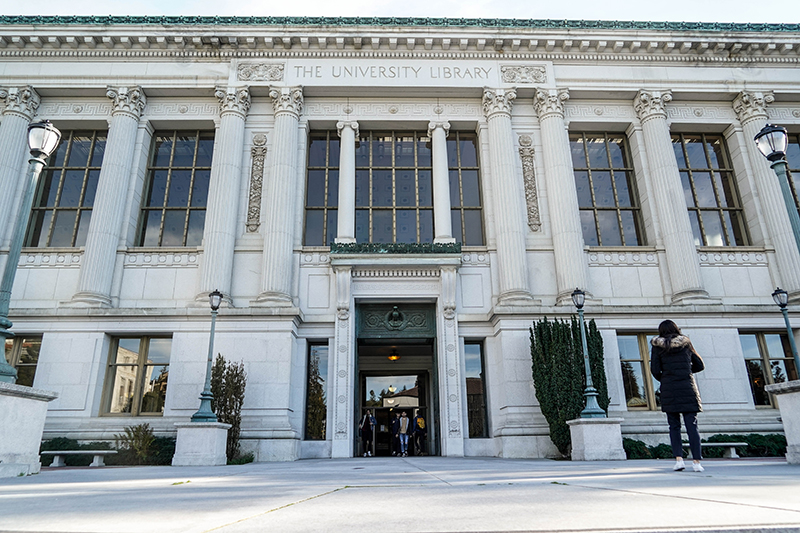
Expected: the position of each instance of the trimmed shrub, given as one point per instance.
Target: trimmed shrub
(228, 382)
(138, 440)
(636, 449)
(242, 459)
(759, 445)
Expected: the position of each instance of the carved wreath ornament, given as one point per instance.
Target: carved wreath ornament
(260, 72)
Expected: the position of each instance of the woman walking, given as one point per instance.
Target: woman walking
(366, 426)
(673, 360)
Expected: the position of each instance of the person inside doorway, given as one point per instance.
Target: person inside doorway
(394, 427)
(367, 427)
(420, 433)
(403, 432)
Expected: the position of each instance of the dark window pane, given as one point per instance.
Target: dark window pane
(158, 188)
(473, 227)
(406, 225)
(362, 225)
(333, 188)
(205, 150)
(598, 157)
(696, 152)
(633, 381)
(452, 153)
(704, 189)
(425, 189)
(588, 228)
(404, 152)
(313, 235)
(755, 372)
(50, 188)
(162, 151)
(154, 389)
(184, 151)
(200, 188)
(91, 188)
(317, 152)
(677, 148)
(793, 153)
(603, 191)
(83, 228)
(382, 152)
(470, 190)
(151, 228)
(735, 226)
(426, 225)
(698, 235)
(624, 194)
(727, 191)
(455, 221)
(332, 226)
(334, 152)
(405, 188)
(362, 187)
(79, 152)
(715, 153)
(455, 196)
(174, 223)
(57, 159)
(578, 151)
(609, 228)
(476, 401)
(583, 189)
(194, 233)
(382, 226)
(39, 229)
(424, 154)
(25, 375)
(315, 193)
(99, 151)
(179, 186)
(362, 153)
(124, 382)
(713, 228)
(629, 229)
(469, 156)
(616, 152)
(687, 189)
(316, 393)
(63, 228)
(71, 190)
(382, 188)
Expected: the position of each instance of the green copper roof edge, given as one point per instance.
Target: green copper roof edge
(402, 21)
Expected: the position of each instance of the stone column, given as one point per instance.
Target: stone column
(97, 266)
(346, 225)
(562, 196)
(451, 415)
(220, 232)
(751, 108)
(340, 398)
(442, 221)
(509, 213)
(676, 231)
(279, 217)
(21, 104)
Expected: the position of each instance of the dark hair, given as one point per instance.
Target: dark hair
(668, 330)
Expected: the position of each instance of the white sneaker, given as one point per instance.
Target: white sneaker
(697, 467)
(369, 454)
(679, 465)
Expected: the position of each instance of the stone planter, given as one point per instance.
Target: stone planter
(201, 444)
(789, 403)
(22, 414)
(596, 439)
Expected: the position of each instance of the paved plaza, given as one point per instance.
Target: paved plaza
(410, 494)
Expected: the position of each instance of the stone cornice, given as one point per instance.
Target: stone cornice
(550, 102)
(649, 104)
(498, 101)
(23, 101)
(233, 100)
(287, 100)
(127, 100)
(750, 105)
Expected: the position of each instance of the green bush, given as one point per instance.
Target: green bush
(64, 443)
(636, 449)
(759, 445)
(242, 459)
(228, 382)
(661, 451)
(138, 440)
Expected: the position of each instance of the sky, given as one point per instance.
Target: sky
(674, 10)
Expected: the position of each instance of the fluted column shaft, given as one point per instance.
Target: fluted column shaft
(442, 220)
(509, 213)
(676, 231)
(21, 104)
(562, 196)
(220, 232)
(102, 239)
(279, 218)
(751, 108)
(346, 221)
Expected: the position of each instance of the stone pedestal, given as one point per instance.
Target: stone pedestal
(201, 444)
(789, 403)
(596, 439)
(22, 414)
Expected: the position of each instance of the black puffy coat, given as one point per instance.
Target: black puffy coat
(673, 360)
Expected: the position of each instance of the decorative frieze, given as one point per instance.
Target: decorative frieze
(649, 104)
(160, 259)
(623, 258)
(529, 176)
(783, 114)
(396, 248)
(182, 109)
(405, 273)
(678, 112)
(550, 101)
(728, 258)
(23, 101)
(260, 72)
(322, 107)
(287, 100)
(50, 259)
(128, 100)
(258, 154)
(475, 258)
(498, 101)
(69, 109)
(750, 105)
(233, 100)
(598, 111)
(523, 74)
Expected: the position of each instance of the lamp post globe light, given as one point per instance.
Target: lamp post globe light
(781, 298)
(205, 414)
(43, 138)
(592, 409)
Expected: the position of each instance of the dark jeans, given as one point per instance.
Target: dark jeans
(690, 419)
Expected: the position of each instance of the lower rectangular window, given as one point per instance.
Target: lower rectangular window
(768, 358)
(136, 380)
(317, 392)
(23, 354)
(476, 389)
(642, 391)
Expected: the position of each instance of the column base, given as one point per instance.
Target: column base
(344, 240)
(517, 298)
(693, 297)
(273, 299)
(88, 299)
(444, 240)
(201, 444)
(596, 439)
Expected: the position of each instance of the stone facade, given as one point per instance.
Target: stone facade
(264, 87)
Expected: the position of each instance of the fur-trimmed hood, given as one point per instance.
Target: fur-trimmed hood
(680, 341)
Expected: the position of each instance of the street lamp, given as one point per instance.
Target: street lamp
(781, 298)
(43, 138)
(205, 414)
(772, 142)
(592, 409)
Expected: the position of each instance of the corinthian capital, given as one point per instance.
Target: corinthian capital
(498, 101)
(287, 100)
(347, 124)
(751, 105)
(20, 100)
(233, 100)
(550, 102)
(438, 124)
(127, 100)
(649, 104)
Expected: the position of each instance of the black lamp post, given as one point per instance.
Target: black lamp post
(592, 409)
(781, 298)
(43, 138)
(205, 414)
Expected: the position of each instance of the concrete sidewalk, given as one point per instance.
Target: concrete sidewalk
(412, 494)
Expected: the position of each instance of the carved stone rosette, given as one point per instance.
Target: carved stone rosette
(752, 105)
(650, 104)
(550, 101)
(127, 100)
(20, 100)
(287, 100)
(531, 196)
(259, 72)
(233, 100)
(258, 153)
(498, 101)
(451, 359)
(342, 383)
(345, 124)
(523, 74)
(438, 124)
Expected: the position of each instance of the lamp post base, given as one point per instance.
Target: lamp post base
(592, 409)
(205, 414)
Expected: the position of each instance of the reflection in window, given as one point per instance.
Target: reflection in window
(22, 352)
(317, 392)
(138, 370)
(793, 160)
(174, 202)
(768, 359)
(392, 391)
(642, 391)
(604, 179)
(322, 189)
(62, 207)
(394, 198)
(465, 188)
(709, 189)
(476, 389)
